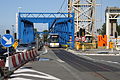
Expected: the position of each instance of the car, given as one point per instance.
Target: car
(32, 45)
(118, 46)
(23, 48)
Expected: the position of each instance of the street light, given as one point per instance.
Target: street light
(13, 29)
(19, 9)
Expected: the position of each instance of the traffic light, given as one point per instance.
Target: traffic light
(15, 35)
(116, 34)
(7, 32)
(77, 34)
(82, 32)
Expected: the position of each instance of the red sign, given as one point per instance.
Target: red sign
(76, 39)
(83, 38)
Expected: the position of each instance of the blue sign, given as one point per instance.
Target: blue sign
(7, 40)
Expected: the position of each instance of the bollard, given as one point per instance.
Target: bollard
(83, 47)
(111, 49)
(77, 45)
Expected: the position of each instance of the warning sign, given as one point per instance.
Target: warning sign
(15, 44)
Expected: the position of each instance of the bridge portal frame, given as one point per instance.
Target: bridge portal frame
(57, 22)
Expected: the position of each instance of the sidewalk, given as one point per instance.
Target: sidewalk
(94, 52)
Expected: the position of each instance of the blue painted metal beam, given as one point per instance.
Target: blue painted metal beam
(58, 23)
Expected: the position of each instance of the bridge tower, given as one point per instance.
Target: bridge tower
(112, 15)
(84, 15)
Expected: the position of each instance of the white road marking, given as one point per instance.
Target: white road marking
(45, 50)
(100, 60)
(84, 55)
(111, 62)
(59, 60)
(18, 78)
(42, 75)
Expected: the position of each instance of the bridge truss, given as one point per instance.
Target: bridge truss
(84, 14)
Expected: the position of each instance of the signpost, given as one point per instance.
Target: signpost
(7, 41)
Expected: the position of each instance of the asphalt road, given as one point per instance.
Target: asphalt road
(58, 64)
(46, 67)
(92, 69)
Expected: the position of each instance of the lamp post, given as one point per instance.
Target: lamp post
(19, 9)
(13, 29)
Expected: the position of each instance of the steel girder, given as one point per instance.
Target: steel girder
(65, 30)
(58, 23)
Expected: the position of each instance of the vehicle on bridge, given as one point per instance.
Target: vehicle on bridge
(53, 40)
(23, 48)
(118, 47)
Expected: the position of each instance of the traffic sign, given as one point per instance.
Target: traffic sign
(83, 38)
(7, 40)
(77, 39)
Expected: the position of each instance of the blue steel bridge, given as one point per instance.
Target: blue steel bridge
(57, 23)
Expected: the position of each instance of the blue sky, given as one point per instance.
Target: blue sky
(9, 8)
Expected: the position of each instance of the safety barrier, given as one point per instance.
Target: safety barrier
(34, 53)
(18, 59)
(22, 57)
(15, 61)
(28, 54)
(2, 63)
(11, 62)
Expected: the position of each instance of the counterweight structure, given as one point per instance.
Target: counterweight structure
(84, 15)
(112, 15)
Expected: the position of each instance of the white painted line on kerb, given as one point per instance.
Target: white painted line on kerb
(44, 51)
(59, 60)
